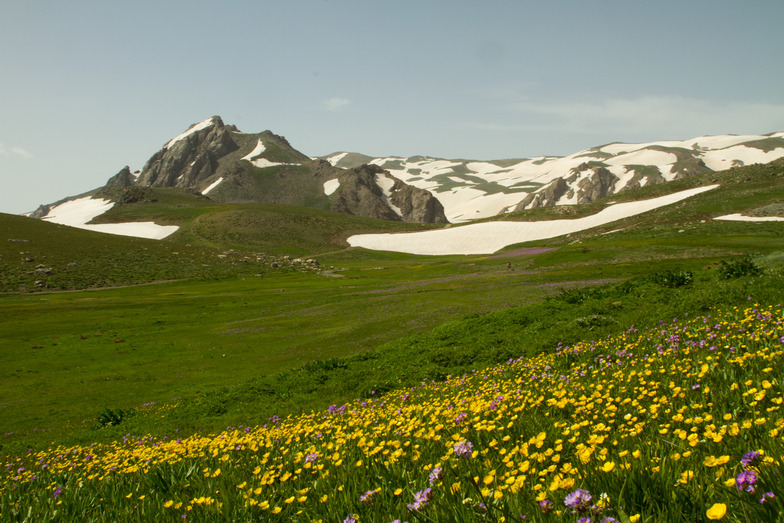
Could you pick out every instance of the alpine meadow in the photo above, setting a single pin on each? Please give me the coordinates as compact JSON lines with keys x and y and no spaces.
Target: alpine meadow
{"x":241,"y":332}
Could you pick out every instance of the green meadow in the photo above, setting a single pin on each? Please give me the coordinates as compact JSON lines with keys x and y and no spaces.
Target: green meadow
{"x":114,"y":342}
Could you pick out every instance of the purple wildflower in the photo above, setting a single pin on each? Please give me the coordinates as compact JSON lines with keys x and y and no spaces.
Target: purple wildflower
{"x":436,"y":475}
{"x":579,"y":500}
{"x":746,"y":480}
{"x":461,"y":417}
{"x":464,"y":449}
{"x":367,"y":497}
{"x":421,"y":500}
{"x":766,"y":496}
{"x":57,"y":492}
{"x":351,"y":518}
{"x":311,"y":458}
{"x":547,"y":506}
{"x":751,"y":459}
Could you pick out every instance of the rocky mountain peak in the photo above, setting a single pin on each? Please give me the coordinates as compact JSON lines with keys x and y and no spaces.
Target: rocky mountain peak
{"x":190,"y":157}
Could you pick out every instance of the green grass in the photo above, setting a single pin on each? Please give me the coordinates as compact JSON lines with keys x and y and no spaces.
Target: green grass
{"x":654,"y":422}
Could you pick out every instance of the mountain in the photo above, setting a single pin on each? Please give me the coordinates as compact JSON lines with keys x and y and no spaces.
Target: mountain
{"x":219,"y":163}
{"x":228,"y":166}
{"x":470,"y":189}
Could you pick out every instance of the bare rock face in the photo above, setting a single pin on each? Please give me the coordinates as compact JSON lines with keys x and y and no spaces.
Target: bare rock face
{"x":417,"y":205}
{"x":595,"y":186}
{"x":544,"y":197}
{"x":122,"y":179}
{"x":190,"y":159}
{"x":585,"y":184}
{"x":361,"y":194}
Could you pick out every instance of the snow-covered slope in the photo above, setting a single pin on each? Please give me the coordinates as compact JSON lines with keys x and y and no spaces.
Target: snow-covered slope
{"x":76,"y":213}
{"x":477,"y":189}
{"x":488,"y":237}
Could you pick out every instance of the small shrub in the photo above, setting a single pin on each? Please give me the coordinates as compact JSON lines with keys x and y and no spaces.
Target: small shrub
{"x":736,"y":268}
{"x":324,"y":365}
{"x":109,"y":417}
{"x":672,"y":279}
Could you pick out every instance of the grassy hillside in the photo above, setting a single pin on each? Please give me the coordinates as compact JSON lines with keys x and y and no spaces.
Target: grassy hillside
{"x":572,"y":426}
{"x":37,"y":255}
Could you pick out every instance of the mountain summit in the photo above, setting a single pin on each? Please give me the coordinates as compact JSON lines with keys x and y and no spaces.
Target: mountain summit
{"x":229,"y":166}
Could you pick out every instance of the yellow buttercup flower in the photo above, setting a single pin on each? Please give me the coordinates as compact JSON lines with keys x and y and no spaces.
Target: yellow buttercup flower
{"x":717,"y":511}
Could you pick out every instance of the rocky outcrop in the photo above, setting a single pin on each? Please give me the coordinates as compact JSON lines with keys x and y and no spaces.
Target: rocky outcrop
{"x":187,"y":160}
{"x":643,"y":175}
{"x":359,"y":194}
{"x":122,"y":179}
{"x":417,"y":205}
{"x":595,"y":186}
{"x":362,"y":194}
{"x":585,"y":184}
{"x":544,"y":197}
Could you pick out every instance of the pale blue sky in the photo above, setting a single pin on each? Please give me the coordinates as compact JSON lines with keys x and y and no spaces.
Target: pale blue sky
{"x":89,"y":87}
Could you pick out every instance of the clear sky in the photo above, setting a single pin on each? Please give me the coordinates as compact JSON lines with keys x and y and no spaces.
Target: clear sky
{"x":87,"y":87}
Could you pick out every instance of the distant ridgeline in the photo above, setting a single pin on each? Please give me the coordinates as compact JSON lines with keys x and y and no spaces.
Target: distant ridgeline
{"x":217,"y":161}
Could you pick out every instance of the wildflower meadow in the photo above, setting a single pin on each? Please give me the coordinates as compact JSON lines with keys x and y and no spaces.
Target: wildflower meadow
{"x":677,"y":422}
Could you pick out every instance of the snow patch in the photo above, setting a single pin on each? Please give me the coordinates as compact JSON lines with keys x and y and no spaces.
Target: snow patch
{"x":723,"y":159}
{"x":76,"y":213}
{"x":335,"y":158}
{"x":643,"y":157}
{"x":331,"y":186}
{"x":261,"y":162}
{"x":198,"y":127}
{"x":260,"y":148}
{"x":212,"y":185}
{"x":387,"y":183}
{"x":737,"y":217}
{"x":488,"y":237}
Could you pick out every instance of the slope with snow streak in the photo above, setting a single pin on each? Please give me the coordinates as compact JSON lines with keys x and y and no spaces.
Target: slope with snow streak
{"x":261,"y":163}
{"x":198,"y":127}
{"x":737,"y":217}
{"x":478,"y":189}
{"x":489,"y":237}
{"x":76,"y":213}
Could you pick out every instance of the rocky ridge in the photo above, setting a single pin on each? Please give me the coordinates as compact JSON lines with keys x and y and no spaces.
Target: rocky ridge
{"x":471,"y":189}
{"x":220,"y":162}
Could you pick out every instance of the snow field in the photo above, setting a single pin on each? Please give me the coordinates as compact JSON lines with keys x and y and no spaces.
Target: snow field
{"x":737,"y":217}
{"x":76,"y":213}
{"x":486,"y":238}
